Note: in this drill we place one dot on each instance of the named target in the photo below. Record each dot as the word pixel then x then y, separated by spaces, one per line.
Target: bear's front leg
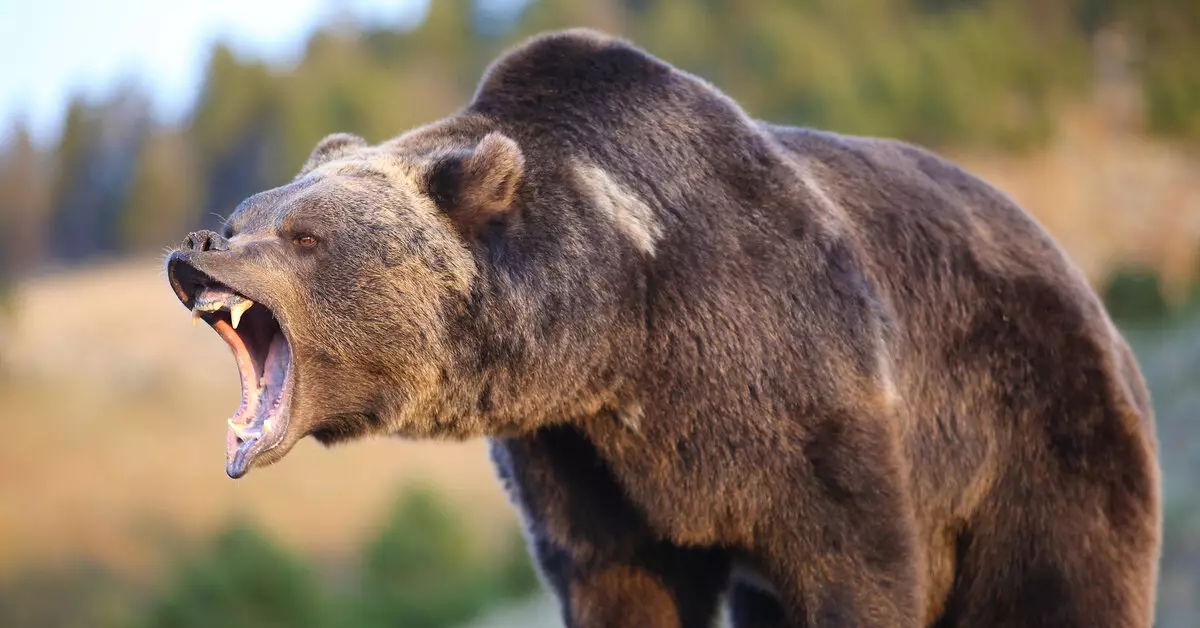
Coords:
pixel 622 595
pixel 842 549
pixel 594 548
pixel 661 587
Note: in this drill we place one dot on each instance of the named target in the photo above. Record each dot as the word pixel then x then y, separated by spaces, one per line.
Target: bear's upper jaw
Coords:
pixel 264 361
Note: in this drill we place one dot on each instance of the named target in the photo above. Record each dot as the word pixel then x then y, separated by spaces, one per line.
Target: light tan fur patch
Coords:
pixel 630 214
pixel 890 394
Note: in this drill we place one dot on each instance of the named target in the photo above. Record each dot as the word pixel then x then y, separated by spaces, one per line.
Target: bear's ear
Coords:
pixel 479 185
pixel 332 147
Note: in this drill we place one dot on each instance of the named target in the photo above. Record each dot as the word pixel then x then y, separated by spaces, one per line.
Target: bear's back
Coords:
pixel 993 331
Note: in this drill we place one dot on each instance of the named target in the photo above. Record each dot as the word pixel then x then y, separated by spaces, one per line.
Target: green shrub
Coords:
pixel 242 580
pixel 515 576
pixel 82 595
pixel 422 571
pixel 1135 295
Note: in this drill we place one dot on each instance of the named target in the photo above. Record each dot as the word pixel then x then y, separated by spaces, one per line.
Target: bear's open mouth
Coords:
pixel 264 360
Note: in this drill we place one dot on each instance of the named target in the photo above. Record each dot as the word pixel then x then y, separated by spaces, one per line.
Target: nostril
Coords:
pixel 205 240
pixel 217 242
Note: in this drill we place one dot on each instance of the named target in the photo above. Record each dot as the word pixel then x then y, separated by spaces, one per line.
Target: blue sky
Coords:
pixel 52 49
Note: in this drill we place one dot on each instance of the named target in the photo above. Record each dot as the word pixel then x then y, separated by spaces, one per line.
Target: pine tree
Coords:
pixel 24 203
pixel 164 196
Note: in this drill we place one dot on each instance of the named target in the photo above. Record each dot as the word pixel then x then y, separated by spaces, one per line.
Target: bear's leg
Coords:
pixel 843 584
pixel 1049 551
pixel 842 549
pixel 594 548
pixel 662 587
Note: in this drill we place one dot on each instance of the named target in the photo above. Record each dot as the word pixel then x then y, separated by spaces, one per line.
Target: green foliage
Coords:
pixel 236 96
pixel 242 580
pixel 420 571
pixel 163 197
pixel 1135 295
pixel 1169 31
pixel 421 567
pixel 83 596
pixel 24 203
pixel 938 73
pixel 514 575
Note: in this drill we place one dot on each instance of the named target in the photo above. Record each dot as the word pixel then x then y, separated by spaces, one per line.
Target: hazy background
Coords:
pixel 124 125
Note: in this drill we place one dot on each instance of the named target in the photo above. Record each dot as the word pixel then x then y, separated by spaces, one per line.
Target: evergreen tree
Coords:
pixel 24 203
pixel 163 196
pixel 234 130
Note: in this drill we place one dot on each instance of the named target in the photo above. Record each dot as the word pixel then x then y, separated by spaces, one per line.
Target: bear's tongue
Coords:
pixel 261 398
pixel 263 358
pixel 259 423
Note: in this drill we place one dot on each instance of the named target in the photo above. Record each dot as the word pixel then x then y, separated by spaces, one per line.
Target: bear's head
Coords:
pixel 345 294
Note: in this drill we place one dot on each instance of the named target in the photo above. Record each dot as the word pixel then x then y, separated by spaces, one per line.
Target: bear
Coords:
pixel 724 366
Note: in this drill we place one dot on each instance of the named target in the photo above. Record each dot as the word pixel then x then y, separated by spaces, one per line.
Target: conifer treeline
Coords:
pixel 939 72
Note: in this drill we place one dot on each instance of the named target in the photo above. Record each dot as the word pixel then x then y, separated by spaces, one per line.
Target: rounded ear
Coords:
pixel 332 147
pixel 476 186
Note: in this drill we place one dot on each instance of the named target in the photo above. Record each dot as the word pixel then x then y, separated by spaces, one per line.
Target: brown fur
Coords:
pixel 837 380
pixel 600 599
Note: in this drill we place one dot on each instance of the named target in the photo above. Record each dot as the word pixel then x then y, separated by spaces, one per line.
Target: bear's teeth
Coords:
pixel 236 311
pixel 244 432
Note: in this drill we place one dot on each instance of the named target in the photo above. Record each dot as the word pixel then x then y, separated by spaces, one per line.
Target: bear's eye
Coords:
pixel 305 241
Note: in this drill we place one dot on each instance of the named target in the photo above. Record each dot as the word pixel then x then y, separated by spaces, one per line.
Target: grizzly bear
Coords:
pixel 800 378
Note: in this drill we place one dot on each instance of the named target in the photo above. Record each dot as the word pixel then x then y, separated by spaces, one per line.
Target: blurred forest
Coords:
pixel 998 82
pixel 961 73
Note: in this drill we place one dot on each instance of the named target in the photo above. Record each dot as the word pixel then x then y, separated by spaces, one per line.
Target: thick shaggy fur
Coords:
pixel 822 380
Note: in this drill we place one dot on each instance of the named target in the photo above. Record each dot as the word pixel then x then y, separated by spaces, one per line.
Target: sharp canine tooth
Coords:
pixel 195 317
pixel 236 311
pixel 241 431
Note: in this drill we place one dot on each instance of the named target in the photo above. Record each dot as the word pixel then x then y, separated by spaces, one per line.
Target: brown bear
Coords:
pixel 813 379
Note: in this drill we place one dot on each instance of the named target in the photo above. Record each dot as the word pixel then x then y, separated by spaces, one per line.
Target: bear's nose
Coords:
pixel 205 240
